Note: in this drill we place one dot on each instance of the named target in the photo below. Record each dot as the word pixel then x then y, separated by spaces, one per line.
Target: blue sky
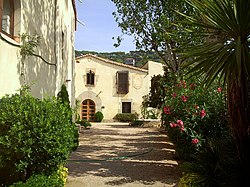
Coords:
pixel 100 27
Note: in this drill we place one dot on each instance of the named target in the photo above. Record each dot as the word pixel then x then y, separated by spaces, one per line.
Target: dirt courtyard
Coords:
pixel 116 154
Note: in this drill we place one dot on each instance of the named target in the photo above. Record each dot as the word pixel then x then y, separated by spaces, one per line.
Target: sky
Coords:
pixel 99 27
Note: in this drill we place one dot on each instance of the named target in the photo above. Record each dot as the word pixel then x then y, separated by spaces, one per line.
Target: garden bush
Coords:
pixel 99 116
pixel 84 123
pixel 56 179
pixel 36 136
pixel 192 114
pixel 126 117
pixel 216 164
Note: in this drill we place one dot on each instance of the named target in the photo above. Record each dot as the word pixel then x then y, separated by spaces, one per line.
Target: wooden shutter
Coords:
pixel 91 78
pixel 122 82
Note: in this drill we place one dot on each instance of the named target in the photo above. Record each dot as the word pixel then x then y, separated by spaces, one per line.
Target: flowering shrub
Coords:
pixel 192 114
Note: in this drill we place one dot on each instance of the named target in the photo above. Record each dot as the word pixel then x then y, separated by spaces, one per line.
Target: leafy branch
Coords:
pixel 29 44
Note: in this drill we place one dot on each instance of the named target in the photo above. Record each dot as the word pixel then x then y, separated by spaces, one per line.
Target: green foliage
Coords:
pixel 187 180
pixel 193 114
pixel 84 123
pixel 63 95
pixel 226 54
pixel 99 116
pixel 29 44
pixel 216 164
pixel 155 95
pixel 56 179
pixel 35 136
pixel 126 117
pixel 156 26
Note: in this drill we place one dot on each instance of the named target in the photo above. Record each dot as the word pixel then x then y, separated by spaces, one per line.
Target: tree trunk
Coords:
pixel 239 119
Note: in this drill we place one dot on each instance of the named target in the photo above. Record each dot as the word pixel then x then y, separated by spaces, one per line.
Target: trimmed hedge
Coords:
pixel 126 117
pixel 99 116
pixel 36 136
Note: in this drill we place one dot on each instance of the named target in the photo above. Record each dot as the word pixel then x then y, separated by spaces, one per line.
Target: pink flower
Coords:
pixel 166 110
pixel 219 89
pixel 183 83
pixel 192 86
pixel 195 141
pixel 184 98
pixel 174 95
pixel 173 125
pixel 203 113
pixel 182 129
pixel 180 123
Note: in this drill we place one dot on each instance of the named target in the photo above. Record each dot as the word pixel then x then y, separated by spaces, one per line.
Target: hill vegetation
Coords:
pixel 140 57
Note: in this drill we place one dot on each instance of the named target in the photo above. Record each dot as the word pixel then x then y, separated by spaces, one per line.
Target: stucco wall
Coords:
pixel 9 75
pixel 104 92
pixel 54 22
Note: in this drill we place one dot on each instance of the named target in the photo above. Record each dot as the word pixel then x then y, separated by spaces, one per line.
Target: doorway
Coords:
pixel 88 110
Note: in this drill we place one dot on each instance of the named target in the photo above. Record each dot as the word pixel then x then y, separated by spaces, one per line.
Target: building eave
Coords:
pixel 112 62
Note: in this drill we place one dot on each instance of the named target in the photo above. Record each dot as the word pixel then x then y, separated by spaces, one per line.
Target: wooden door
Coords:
pixel 88 110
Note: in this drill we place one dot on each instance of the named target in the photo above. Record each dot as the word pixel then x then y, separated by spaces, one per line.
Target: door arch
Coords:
pixel 88 110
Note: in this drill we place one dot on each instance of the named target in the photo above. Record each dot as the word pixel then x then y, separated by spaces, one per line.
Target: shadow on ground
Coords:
pixel 119 155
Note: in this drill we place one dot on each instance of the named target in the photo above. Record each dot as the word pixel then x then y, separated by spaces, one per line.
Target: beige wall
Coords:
pixel 104 92
pixel 51 20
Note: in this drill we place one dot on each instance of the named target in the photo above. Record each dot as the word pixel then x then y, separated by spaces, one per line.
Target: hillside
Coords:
pixel 140 57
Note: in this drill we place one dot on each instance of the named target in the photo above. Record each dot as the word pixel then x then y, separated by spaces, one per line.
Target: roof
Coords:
pixel 112 62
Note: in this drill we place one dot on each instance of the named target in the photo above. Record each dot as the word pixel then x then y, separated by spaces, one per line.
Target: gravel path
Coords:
pixel 115 154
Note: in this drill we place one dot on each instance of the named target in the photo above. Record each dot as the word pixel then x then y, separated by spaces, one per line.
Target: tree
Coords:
pixel 63 96
pixel 227 55
pixel 155 26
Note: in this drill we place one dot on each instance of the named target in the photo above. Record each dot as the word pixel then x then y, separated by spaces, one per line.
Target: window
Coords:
pixel 90 78
pixel 122 82
pixel 126 107
pixel 7 17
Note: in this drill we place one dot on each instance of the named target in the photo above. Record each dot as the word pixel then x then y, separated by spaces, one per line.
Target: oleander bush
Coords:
pixel 36 136
pixel 192 114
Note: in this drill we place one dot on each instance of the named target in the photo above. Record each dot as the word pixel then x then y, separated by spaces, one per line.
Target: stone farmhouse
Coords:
pixel 111 87
pixel 54 22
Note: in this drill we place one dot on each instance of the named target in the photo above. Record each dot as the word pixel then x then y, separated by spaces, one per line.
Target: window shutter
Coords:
pixel 122 82
pixel 91 78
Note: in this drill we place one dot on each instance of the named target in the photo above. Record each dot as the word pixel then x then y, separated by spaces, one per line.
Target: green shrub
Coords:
pixel 216 164
pixel 84 123
pixel 187 180
pixel 126 117
pixel 99 116
pixel 56 179
pixel 63 95
pixel 35 136
pixel 192 114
